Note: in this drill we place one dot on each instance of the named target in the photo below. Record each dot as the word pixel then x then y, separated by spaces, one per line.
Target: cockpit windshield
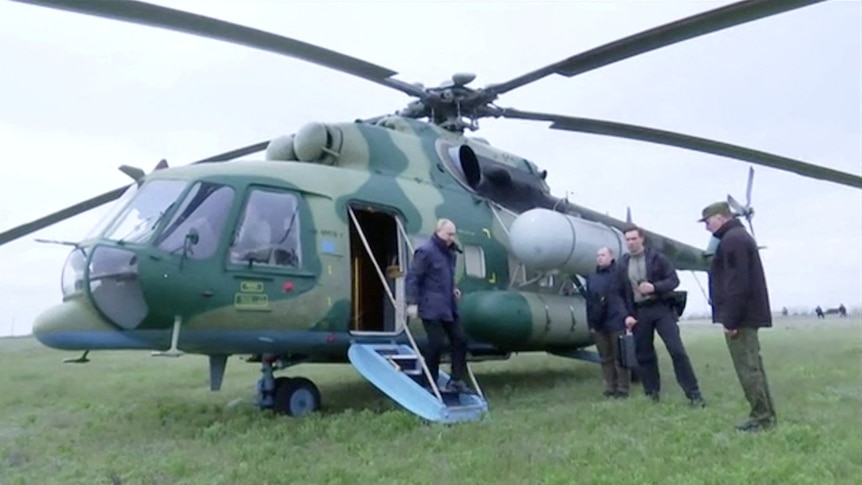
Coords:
pixel 111 214
pixel 139 219
pixel 198 223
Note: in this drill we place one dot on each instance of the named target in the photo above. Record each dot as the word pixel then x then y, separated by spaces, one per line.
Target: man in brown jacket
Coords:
pixel 740 302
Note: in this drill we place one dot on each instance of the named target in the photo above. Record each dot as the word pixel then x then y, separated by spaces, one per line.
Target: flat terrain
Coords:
pixel 128 418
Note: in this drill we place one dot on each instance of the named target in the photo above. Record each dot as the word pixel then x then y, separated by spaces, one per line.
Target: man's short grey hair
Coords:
pixel 609 250
pixel 442 223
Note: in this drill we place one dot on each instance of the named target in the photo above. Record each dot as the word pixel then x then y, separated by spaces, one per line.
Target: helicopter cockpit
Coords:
pixel 168 224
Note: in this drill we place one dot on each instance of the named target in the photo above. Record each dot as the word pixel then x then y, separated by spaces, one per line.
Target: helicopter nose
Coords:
pixel 97 304
pixel 76 325
pixel 115 288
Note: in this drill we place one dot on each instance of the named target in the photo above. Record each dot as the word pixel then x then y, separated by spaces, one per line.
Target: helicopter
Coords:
pixel 170 268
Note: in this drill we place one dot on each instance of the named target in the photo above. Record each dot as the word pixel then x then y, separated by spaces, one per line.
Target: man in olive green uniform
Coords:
pixel 740 302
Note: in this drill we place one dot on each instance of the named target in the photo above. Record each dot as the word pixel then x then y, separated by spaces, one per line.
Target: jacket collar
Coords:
pixel 608 268
pixel 441 245
pixel 731 224
pixel 647 252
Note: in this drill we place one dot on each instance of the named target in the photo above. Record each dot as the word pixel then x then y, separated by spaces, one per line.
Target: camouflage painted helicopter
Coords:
pixel 178 262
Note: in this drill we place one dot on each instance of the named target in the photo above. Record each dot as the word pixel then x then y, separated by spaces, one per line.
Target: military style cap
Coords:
pixel 713 209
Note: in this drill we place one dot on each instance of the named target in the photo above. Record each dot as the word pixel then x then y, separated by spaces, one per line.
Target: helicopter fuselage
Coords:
pixel 173 251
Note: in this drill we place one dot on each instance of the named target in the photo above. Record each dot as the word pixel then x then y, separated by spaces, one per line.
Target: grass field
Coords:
pixel 128 418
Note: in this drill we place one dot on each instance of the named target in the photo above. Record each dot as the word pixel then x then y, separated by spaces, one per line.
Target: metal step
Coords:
pixel 405 357
pixel 405 363
pixel 396 370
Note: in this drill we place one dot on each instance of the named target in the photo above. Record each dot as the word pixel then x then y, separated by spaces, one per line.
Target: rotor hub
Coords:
pixel 453 105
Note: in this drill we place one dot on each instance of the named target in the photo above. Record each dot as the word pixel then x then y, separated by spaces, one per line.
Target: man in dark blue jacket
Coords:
pixel 606 314
pixel 648 279
pixel 433 297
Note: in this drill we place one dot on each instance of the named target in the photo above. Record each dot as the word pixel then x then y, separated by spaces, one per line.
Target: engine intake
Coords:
pixel 512 187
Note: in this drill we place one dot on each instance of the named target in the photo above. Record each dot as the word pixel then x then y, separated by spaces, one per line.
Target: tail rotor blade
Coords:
pixel 735 205
pixel 749 186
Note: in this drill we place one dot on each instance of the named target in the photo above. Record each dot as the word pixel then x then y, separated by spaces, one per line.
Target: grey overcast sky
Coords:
pixel 82 95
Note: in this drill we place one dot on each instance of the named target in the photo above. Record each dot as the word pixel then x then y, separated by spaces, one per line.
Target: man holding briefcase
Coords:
pixel 606 315
pixel 648 279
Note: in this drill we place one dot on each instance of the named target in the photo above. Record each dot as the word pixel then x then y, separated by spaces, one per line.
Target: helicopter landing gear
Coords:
pixel 292 396
pixel 295 396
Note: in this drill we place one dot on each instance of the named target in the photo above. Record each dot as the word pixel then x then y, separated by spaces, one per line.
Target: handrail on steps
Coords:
pixel 398 314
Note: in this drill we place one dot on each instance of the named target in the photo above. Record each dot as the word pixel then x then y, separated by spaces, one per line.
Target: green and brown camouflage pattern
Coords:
pixel 398 164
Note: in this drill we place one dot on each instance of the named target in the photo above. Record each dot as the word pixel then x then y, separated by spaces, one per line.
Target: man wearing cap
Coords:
pixel 740 302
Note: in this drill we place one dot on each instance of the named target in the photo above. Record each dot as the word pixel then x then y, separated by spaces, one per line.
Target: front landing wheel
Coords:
pixel 295 396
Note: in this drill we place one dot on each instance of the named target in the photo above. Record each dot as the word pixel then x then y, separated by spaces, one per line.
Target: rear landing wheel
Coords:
pixel 295 396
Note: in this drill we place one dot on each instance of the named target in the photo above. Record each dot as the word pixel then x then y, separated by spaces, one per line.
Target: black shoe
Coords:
pixel 697 401
pixel 609 393
pixel 754 426
pixel 750 427
pixel 621 395
pixel 653 396
pixel 458 386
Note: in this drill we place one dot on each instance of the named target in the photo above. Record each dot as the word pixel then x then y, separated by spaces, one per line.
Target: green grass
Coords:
pixel 132 419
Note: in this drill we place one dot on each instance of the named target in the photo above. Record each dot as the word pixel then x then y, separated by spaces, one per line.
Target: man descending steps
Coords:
pixel 433 297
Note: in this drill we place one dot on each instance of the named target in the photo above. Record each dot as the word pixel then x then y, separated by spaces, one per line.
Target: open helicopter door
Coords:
pixel 377 269
pixel 398 369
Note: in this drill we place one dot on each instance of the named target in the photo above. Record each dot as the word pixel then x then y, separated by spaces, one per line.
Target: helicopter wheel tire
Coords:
pixel 295 396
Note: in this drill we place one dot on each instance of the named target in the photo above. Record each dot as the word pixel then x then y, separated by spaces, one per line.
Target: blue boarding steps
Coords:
pixel 396 371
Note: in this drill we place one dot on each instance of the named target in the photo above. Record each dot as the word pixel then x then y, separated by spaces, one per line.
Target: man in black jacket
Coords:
pixel 606 315
pixel 648 279
pixel 740 302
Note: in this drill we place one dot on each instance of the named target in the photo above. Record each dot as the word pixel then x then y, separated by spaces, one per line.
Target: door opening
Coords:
pixel 371 309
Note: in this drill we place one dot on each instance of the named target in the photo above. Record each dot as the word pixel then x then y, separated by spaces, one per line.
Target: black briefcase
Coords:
pixel 626 351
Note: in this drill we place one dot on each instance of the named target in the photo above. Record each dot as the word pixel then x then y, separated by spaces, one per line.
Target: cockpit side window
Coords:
pixel 268 232
pixel 198 223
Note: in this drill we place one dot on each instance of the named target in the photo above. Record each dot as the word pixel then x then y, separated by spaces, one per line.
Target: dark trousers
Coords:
pixel 660 318
pixel 438 331
pixel 745 353
pixel 616 377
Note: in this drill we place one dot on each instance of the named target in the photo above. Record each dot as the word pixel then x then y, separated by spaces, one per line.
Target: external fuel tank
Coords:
pixel 514 319
pixel 546 240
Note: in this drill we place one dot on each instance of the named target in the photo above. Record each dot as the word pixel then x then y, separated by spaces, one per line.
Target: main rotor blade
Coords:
pixel 658 37
pixel 171 19
pixel 601 127
pixel 81 207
